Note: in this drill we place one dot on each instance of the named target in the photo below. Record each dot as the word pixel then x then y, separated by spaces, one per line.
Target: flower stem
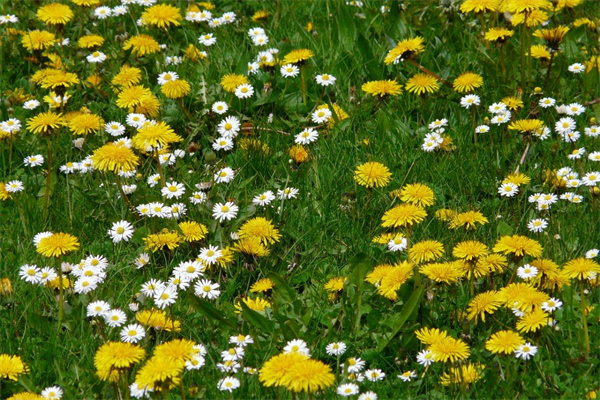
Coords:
pixel 428 72
pixel 548 71
pixel 47 191
pixel 303 83
pixel 586 336
pixel 61 310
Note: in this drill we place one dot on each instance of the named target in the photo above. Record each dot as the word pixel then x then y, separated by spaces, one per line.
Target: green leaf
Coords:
pixel 255 318
pixel 360 265
pixel 397 321
pixel 283 291
pixel 208 310
pixel 368 60
pixel 504 229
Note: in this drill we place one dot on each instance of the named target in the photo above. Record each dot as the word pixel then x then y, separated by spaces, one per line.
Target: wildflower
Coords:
pixel 527 272
pixel 226 211
pixel 465 374
pixel 417 194
pixel 307 136
pixel 467 82
pixel 275 369
pixel 399 243
pixel 347 389
pixel 470 100
pixel 336 348
pixel 114 318
pixel 244 91
pixel 525 351
pixel 11 367
pixel 132 333
pixel 518 245
pixel 161 16
pixel 551 305
pixel 405 49
pixel 121 231
pixel 450 349
pixel 468 219
pixel 228 383
pixel 581 268
pixel 55 14
pixel 382 88
pixel 231 82
pixel 421 84
pixel 325 79
pixel 403 215
pixel 175 89
pixel 532 321
pixel 297 56
pixel 308 375
pixel 407 376
pixel 141 45
pixel 289 71
pixel 220 107
pixel 224 175
pixel 426 250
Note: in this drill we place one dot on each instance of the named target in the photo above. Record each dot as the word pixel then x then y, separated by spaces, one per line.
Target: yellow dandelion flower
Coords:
pixel 533 321
pixel 504 342
pixel 230 82
pixel 114 358
pixel 57 244
pixel 393 279
pixel 45 123
pixel 141 45
pixel 429 336
pixel 405 49
pixel 464 374
pixel 260 228
pixel 421 84
pixel 252 246
pixel 308 376
pixel 498 35
pixel 382 88
pixel 447 272
pixel 403 215
pixel 297 56
pixel 519 246
pixel 127 76
pixel 470 250
pixel 11 367
pixel 85 124
pixel 479 6
pixel 257 304
pixel 553 37
pixel 581 268
pixel 158 319
pixel 417 194
pixel 162 241
pixel 275 369
pixel 38 40
pixel 114 157
pixel 54 14
pixel 161 16
pixel 176 89
pixel 192 231
pixel 154 135
pixel 426 250
pixel 372 174
pixel 486 302
pixel 450 349
pixel 540 52
pixel 467 82
pixel 262 285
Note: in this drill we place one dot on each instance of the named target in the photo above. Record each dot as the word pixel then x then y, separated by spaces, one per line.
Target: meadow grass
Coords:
pixel 327 230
